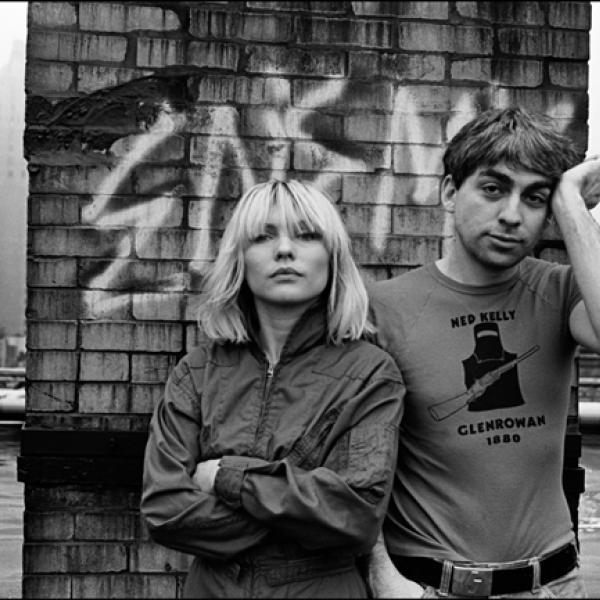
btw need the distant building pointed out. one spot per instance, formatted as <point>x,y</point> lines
<point>13,192</point>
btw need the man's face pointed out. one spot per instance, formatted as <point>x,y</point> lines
<point>500,213</point>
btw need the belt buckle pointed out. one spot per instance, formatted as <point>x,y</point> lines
<point>471,581</point>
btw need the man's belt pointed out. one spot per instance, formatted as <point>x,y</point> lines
<point>471,579</point>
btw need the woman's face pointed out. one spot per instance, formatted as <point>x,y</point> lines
<point>283,268</point>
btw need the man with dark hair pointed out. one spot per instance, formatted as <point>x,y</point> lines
<point>485,338</point>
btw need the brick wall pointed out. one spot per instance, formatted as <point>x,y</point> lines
<point>145,122</point>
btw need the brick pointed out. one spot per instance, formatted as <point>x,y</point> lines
<point>158,147</point>
<point>103,398</point>
<point>391,189</point>
<point>312,156</point>
<point>151,368</point>
<point>214,120</point>
<point>111,335</point>
<point>474,69</point>
<point>422,99</point>
<point>251,27</point>
<point>106,526</point>
<point>473,40</point>
<point>46,586</point>
<point>294,123</point>
<point>124,585</point>
<point>422,67</point>
<point>355,32</point>
<point>65,497</point>
<point>46,526</point>
<point>157,306</point>
<point>50,396</point>
<point>366,218</point>
<point>227,152</point>
<point>92,78</point>
<point>59,272</point>
<point>192,305</point>
<point>132,275</point>
<point>47,77</point>
<point>345,95</point>
<point>409,220</point>
<point>105,305</point>
<point>280,60</point>
<point>68,241</point>
<point>145,397</point>
<point>74,180</point>
<point>210,214</point>
<point>104,366</point>
<point>431,37</point>
<point>418,160</point>
<point>397,127</point>
<point>52,366</point>
<point>213,54</point>
<point>53,210</point>
<point>570,15</point>
<point>52,14</point>
<point>105,16</point>
<point>76,47</point>
<point>152,179</point>
<point>469,99</point>
<point>74,558</point>
<point>419,10</point>
<point>152,558</point>
<point>160,210</point>
<point>396,250</point>
<point>535,42</point>
<point>518,73</point>
<point>216,88</point>
<point>45,335</point>
<point>160,52</point>
<point>263,90</point>
<point>557,103</point>
<point>569,74</point>
<point>53,304</point>
<point>503,12</point>
<point>176,244</point>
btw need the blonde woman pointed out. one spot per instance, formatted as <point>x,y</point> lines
<point>271,455</point>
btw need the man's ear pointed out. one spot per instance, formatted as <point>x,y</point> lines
<point>448,191</point>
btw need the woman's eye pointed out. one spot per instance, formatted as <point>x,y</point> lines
<point>538,200</point>
<point>261,237</point>
<point>309,235</point>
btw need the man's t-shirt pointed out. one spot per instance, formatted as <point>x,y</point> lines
<point>488,372</point>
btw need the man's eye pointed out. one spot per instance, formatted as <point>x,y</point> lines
<point>537,199</point>
<point>491,189</point>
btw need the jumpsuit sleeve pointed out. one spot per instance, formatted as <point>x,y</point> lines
<point>178,514</point>
<point>341,502</point>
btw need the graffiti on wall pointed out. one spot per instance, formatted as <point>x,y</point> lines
<point>144,130</point>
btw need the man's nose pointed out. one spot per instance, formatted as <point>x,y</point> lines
<point>510,211</point>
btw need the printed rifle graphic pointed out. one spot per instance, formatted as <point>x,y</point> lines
<point>442,410</point>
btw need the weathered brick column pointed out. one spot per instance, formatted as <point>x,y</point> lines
<point>145,122</point>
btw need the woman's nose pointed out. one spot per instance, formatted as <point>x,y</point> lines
<point>284,247</point>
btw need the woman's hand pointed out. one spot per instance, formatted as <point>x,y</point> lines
<point>205,473</point>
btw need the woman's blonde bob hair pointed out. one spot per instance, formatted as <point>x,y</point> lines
<point>222,315</point>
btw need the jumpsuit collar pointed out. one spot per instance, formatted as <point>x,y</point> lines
<point>309,331</point>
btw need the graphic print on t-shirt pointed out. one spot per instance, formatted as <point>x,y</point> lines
<point>491,376</point>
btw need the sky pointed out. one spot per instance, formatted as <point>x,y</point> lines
<point>13,26</point>
<point>594,84</point>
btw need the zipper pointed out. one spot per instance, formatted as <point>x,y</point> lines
<point>269,375</point>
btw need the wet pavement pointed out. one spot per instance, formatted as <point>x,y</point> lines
<point>11,514</point>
